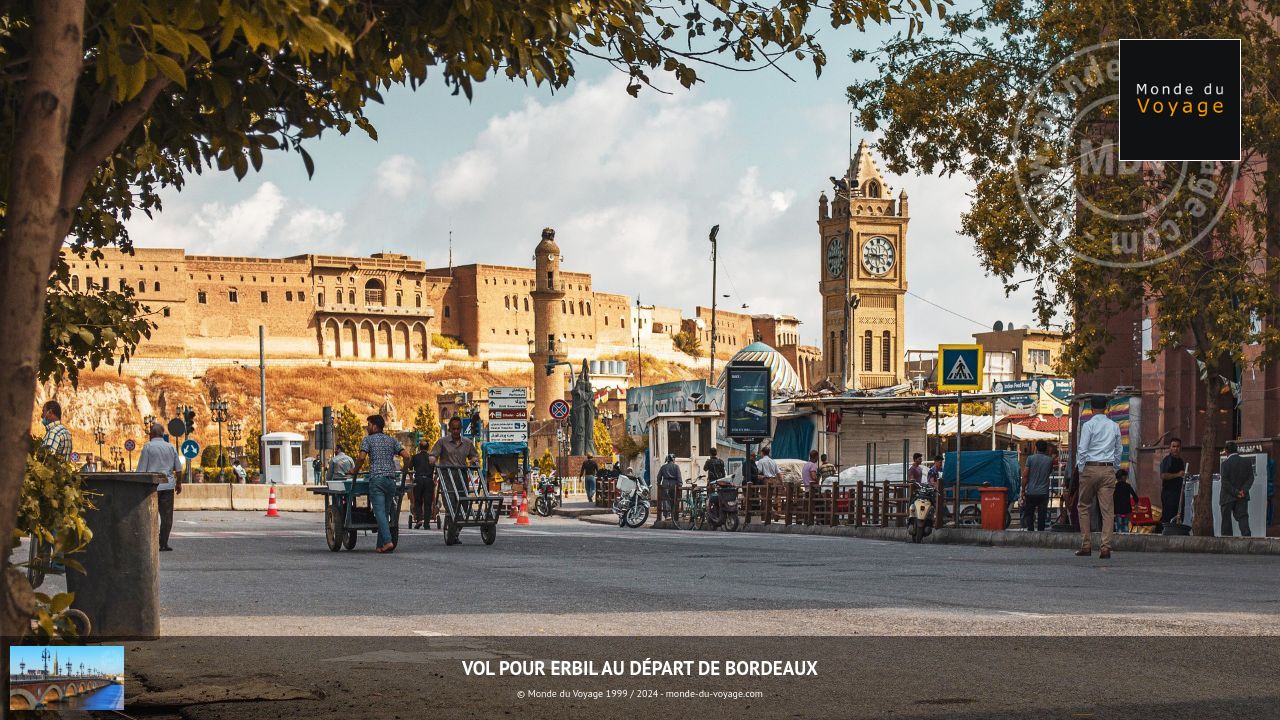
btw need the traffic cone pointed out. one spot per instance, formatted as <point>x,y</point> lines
<point>271,503</point>
<point>514,512</point>
<point>524,510</point>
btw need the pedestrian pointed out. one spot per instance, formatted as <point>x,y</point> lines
<point>915,473</point>
<point>238,469</point>
<point>381,451</point>
<point>423,510</point>
<point>713,467</point>
<point>1233,494</point>
<point>1097,458</point>
<point>825,469</point>
<point>158,456</point>
<point>768,467</point>
<point>1035,488</point>
<point>670,480</point>
<point>453,449</point>
<point>935,473</point>
<point>809,474</point>
<point>589,472</point>
<point>340,465</point>
<point>1125,500</point>
<point>750,471</point>
<point>1173,473</point>
<point>57,438</point>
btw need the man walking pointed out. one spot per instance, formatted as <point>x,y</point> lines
<point>1173,471</point>
<point>454,449</point>
<point>669,480</point>
<point>713,467</point>
<point>57,438</point>
<point>589,472</point>
<point>1233,495</point>
<point>158,456</point>
<point>1035,488</point>
<point>1097,460</point>
<point>424,487</point>
<point>381,451</point>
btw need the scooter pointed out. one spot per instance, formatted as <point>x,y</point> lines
<point>632,505</point>
<point>920,515</point>
<point>722,505</point>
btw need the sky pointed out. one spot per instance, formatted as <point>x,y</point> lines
<point>108,659</point>
<point>632,187</point>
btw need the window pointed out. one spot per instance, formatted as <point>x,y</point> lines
<point>273,456</point>
<point>551,343</point>
<point>526,304</point>
<point>295,455</point>
<point>233,296</point>
<point>550,275</point>
<point>417,300</point>
<point>106,283</point>
<point>75,283</point>
<point>301,296</point>
<point>588,309</point>
<point>263,295</point>
<point>678,438</point>
<point>155,286</point>
<point>288,295</point>
<point>704,436</point>
<point>506,302</point>
<point>580,308</point>
<point>202,298</point>
<point>398,296</point>
<point>866,352</point>
<point>320,298</point>
<point>142,286</point>
<point>571,309</point>
<point>373,294</point>
<point>886,353</point>
<point>446,311</point>
<point>1038,357</point>
<point>351,297</point>
<point>165,311</point>
<point>564,307</point>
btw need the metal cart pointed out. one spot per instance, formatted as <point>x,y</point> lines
<point>467,503</point>
<point>345,516</point>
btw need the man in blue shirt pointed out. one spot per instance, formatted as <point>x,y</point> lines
<point>1098,451</point>
<point>381,451</point>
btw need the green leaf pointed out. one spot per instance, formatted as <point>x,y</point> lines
<point>172,40</point>
<point>170,68</point>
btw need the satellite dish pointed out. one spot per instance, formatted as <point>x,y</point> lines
<point>998,326</point>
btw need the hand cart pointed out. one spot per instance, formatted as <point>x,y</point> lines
<point>467,503</point>
<point>345,516</point>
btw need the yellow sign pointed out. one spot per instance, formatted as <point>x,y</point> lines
<point>960,367</point>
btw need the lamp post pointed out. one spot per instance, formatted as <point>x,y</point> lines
<point>100,435</point>
<point>117,456</point>
<point>234,433</point>
<point>635,325</point>
<point>715,230</point>
<point>219,410</point>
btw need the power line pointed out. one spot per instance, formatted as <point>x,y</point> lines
<point>944,309</point>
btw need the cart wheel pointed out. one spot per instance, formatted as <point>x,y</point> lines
<point>488,533</point>
<point>395,533</point>
<point>333,527</point>
<point>450,535</point>
<point>349,542</point>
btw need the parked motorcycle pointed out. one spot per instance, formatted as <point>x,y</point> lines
<point>632,505</point>
<point>722,505</point>
<point>921,514</point>
<point>548,496</point>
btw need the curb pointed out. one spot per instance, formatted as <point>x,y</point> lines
<point>581,513</point>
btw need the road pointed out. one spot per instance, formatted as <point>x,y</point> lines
<point>237,574</point>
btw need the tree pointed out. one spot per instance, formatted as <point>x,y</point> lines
<point>946,104</point>
<point>546,463</point>
<point>348,431</point>
<point>604,443</point>
<point>253,449</point>
<point>112,100</point>
<point>424,421</point>
<point>687,342</point>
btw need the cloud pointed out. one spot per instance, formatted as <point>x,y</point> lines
<point>396,176</point>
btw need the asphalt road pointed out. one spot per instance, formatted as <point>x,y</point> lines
<point>240,574</point>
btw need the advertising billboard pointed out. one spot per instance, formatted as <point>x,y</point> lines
<point>748,407</point>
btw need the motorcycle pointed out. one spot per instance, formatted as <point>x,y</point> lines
<point>632,505</point>
<point>920,515</point>
<point>548,496</point>
<point>722,505</point>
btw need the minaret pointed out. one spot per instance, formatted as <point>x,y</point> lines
<point>548,340</point>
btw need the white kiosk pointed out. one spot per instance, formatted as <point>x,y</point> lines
<point>284,458</point>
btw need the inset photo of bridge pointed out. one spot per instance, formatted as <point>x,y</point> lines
<point>66,677</point>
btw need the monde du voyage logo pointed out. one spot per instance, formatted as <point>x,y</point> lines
<point>1179,100</point>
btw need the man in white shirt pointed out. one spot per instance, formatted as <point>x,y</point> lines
<point>1098,451</point>
<point>158,456</point>
<point>767,467</point>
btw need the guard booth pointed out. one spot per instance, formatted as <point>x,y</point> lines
<point>284,458</point>
<point>687,435</point>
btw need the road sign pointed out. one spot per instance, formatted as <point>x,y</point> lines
<point>960,367</point>
<point>130,445</point>
<point>502,414</point>
<point>75,457</point>
<point>560,435</point>
<point>508,403</point>
<point>511,437</point>
<point>509,393</point>
<point>559,409</point>
<point>190,449</point>
<point>509,425</point>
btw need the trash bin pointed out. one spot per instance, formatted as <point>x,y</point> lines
<point>120,587</point>
<point>993,501</point>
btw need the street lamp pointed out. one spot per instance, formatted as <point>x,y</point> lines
<point>117,455</point>
<point>100,435</point>
<point>219,410</point>
<point>147,422</point>
<point>234,433</point>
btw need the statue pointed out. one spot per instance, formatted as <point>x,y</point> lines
<point>582,416</point>
<point>388,410</point>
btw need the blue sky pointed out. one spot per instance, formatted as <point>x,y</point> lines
<point>108,659</point>
<point>631,186</point>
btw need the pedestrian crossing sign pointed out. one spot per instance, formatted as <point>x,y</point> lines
<point>960,367</point>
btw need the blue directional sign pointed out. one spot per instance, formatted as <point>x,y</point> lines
<point>960,367</point>
<point>191,449</point>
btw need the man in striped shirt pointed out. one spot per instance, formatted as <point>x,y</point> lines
<point>57,437</point>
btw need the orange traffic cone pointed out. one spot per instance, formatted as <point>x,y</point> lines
<point>514,512</point>
<point>271,503</point>
<point>524,510</point>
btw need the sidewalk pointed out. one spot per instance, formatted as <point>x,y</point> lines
<point>1121,542</point>
<point>578,507</point>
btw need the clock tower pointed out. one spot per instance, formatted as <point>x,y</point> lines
<point>863,233</point>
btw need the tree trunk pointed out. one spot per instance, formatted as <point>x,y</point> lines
<point>1202,524</point>
<point>30,243</point>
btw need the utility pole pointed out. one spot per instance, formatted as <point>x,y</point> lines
<point>262,402</point>
<point>635,325</point>
<point>715,230</point>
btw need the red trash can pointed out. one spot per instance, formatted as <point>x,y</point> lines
<point>993,505</point>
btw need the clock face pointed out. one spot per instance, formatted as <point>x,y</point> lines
<point>835,257</point>
<point>877,255</point>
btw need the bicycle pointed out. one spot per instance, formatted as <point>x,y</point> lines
<point>693,507</point>
<point>40,562</point>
